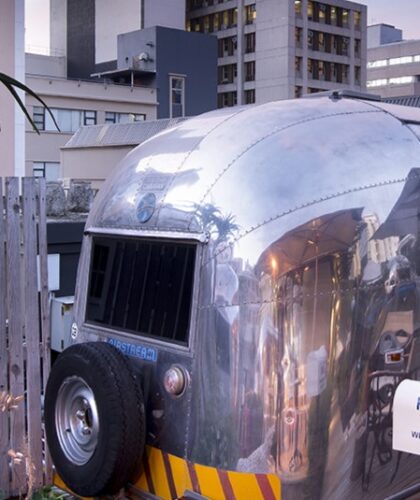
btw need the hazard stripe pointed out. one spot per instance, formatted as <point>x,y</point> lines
<point>194,478</point>
<point>169,475</point>
<point>265,487</point>
<point>227,487</point>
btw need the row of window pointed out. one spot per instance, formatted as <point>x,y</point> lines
<point>398,80</point>
<point>327,71</point>
<point>227,73</point>
<point>328,43</point>
<point>393,61</point>
<point>221,20</point>
<point>48,169</point>
<point>228,46</point>
<point>310,90</point>
<point>328,14</point>
<point>226,99</point>
<point>69,120</point>
<point>199,4</point>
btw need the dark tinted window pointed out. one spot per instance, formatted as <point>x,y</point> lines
<point>142,286</point>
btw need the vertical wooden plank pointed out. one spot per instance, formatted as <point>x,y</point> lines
<point>15,312</point>
<point>4,417</point>
<point>45,310</point>
<point>32,334</point>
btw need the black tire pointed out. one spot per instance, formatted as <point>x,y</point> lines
<point>92,391</point>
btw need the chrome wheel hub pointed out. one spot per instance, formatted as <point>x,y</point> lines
<point>76,419</point>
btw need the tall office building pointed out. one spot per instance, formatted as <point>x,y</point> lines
<point>278,49</point>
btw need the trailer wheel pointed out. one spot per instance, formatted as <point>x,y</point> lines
<point>94,419</point>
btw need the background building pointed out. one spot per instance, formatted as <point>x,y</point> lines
<point>278,49</point>
<point>393,63</point>
<point>12,63</point>
<point>108,66</point>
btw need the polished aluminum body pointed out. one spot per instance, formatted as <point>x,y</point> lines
<point>305,312</point>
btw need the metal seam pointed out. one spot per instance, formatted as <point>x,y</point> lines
<point>261,139</point>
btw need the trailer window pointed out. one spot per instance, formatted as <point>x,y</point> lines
<point>142,286</point>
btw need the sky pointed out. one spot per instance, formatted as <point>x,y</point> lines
<point>404,14</point>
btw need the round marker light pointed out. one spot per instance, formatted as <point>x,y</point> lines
<point>174,381</point>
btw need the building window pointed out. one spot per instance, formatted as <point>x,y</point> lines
<point>401,80</point>
<point>227,46</point>
<point>298,91</point>
<point>310,12</point>
<point>298,37</point>
<point>114,117</point>
<point>176,96</point>
<point>250,71</point>
<point>322,10</point>
<point>250,14</point>
<point>39,117</point>
<point>357,75</point>
<point>377,64</point>
<point>357,45</point>
<point>249,43</point>
<point>298,67</point>
<point>333,15</point>
<point>250,96</point>
<point>357,20</point>
<point>226,99</point>
<point>227,73</point>
<point>89,117</point>
<point>48,169</point>
<point>298,8</point>
<point>345,18</point>
<point>377,83</point>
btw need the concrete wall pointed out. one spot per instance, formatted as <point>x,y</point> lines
<point>37,64</point>
<point>169,13</point>
<point>380,34</point>
<point>91,164</point>
<point>193,55</point>
<point>58,27</point>
<point>111,19</point>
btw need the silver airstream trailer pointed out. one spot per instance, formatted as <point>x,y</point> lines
<point>246,307</point>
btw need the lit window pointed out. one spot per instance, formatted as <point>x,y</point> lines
<point>176,96</point>
<point>250,14</point>
<point>310,12</point>
<point>345,18</point>
<point>400,60</point>
<point>377,64</point>
<point>377,83</point>
<point>298,7</point>
<point>357,18</point>
<point>400,80</point>
<point>322,13</point>
<point>333,16</point>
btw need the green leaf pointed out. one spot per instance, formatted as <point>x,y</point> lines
<point>10,82</point>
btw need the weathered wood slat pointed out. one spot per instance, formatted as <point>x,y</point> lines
<point>15,313</point>
<point>45,309</point>
<point>32,333</point>
<point>4,417</point>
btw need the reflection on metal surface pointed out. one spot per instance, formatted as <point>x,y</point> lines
<point>307,309</point>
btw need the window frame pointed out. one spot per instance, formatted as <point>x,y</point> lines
<point>199,240</point>
<point>172,78</point>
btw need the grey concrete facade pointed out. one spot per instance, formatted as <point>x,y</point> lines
<point>278,49</point>
<point>393,67</point>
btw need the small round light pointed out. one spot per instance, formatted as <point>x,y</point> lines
<point>174,381</point>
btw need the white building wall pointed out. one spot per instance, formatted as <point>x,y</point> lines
<point>111,19</point>
<point>168,13</point>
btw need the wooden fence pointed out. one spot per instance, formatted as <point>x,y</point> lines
<point>24,335</point>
